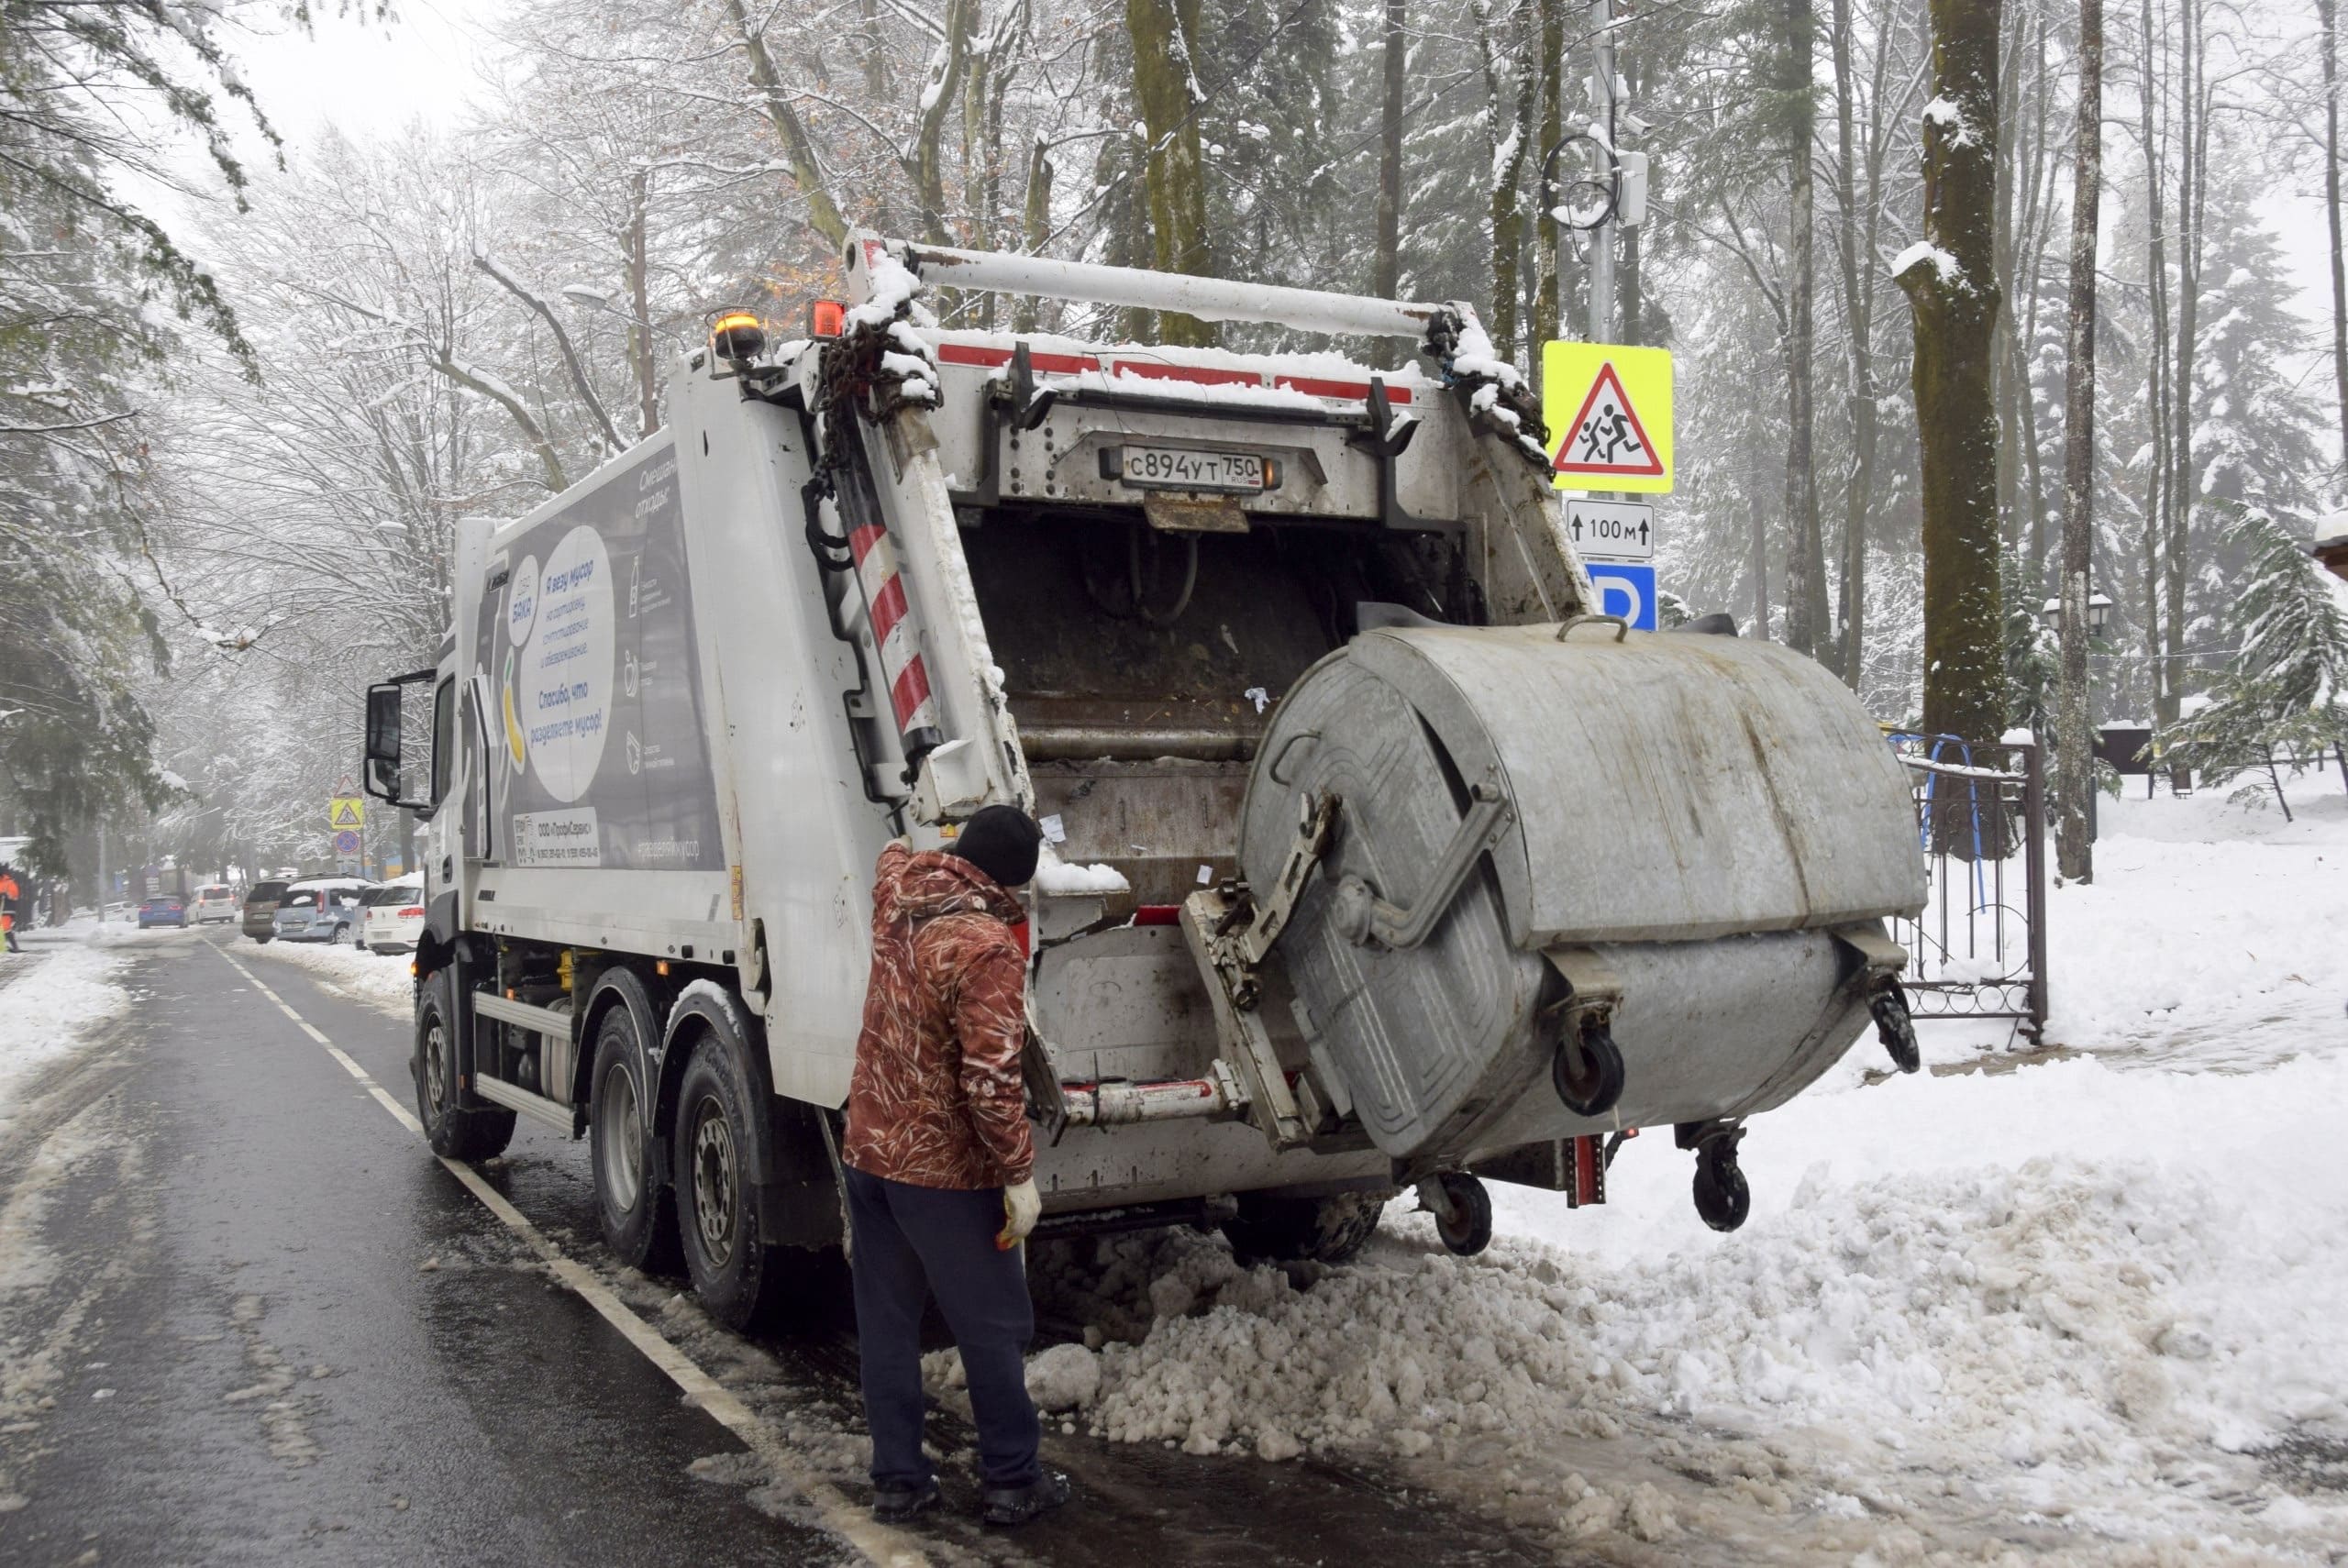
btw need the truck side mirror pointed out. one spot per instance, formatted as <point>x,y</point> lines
<point>383,730</point>
<point>384,775</point>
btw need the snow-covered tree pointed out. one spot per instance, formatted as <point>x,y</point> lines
<point>2283,700</point>
<point>91,294</point>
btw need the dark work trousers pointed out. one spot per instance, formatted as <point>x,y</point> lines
<point>910,1242</point>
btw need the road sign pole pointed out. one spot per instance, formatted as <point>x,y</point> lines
<point>1601,238</point>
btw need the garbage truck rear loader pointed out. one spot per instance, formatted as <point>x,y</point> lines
<point>1379,862</point>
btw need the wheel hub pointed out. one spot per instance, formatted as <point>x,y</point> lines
<point>715,1187</point>
<point>619,1138</point>
<point>436,1066</point>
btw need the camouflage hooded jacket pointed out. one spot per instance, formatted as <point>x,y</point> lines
<point>937,1099</point>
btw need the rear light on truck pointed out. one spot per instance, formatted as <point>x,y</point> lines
<point>826,318</point>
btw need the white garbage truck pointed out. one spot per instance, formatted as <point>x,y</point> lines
<point>1378,861</point>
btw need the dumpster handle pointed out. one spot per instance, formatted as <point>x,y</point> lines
<point>1288,746</point>
<point>1621,628</point>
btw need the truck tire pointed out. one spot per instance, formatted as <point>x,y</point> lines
<point>717,1146</point>
<point>452,1130</point>
<point>634,1201</point>
<point>1270,1227</point>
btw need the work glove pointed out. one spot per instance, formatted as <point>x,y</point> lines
<point>1022,1206</point>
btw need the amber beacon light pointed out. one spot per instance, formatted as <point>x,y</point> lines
<point>737,335</point>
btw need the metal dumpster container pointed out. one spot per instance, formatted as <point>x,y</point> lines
<point>1553,844</point>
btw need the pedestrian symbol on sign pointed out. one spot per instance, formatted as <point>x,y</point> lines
<point>1607,439</point>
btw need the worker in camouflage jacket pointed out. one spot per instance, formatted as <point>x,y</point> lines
<point>940,1164</point>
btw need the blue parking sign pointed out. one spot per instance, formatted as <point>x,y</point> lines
<point>1625,589</point>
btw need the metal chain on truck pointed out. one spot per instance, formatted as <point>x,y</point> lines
<point>1498,398</point>
<point>855,374</point>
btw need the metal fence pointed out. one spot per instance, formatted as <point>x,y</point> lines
<point>1979,948</point>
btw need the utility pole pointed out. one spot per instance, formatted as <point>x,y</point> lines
<point>2074,735</point>
<point>1601,238</point>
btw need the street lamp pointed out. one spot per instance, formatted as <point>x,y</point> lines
<point>2098,614</point>
<point>588,297</point>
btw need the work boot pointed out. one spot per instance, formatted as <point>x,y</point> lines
<point>900,1504</point>
<point>1017,1505</point>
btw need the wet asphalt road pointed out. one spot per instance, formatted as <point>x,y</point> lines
<point>245,1318</point>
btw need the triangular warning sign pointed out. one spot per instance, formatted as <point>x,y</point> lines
<point>1606,439</point>
<point>347,814</point>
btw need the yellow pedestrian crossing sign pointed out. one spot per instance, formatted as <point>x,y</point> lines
<point>1608,407</point>
<point>348,811</point>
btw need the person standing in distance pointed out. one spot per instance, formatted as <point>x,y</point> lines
<point>940,1185</point>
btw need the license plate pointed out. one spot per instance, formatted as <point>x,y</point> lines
<point>1180,467</point>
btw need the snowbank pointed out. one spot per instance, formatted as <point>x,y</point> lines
<point>377,979</point>
<point>64,991</point>
<point>2090,1303</point>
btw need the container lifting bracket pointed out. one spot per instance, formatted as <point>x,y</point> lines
<point>1317,823</point>
<point>1210,922</point>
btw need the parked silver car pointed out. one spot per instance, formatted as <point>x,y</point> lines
<point>322,910</point>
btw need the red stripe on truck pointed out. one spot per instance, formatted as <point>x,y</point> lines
<point>888,609</point>
<point>1198,375</point>
<point>1049,364</point>
<point>1358,391</point>
<point>909,691</point>
<point>1158,371</point>
<point>860,542</point>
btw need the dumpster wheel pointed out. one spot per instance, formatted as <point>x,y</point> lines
<point>1723,1199</point>
<point>1588,1071</point>
<point>1462,1211</point>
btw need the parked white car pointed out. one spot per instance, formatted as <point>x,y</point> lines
<point>215,902</point>
<point>392,916</point>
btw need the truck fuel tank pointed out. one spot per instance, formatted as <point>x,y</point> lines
<point>1554,842</point>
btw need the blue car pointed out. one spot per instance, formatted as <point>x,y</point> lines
<point>169,909</point>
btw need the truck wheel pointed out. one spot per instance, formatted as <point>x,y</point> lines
<point>633,1197</point>
<point>720,1111</point>
<point>451,1130</point>
<point>1269,1227</point>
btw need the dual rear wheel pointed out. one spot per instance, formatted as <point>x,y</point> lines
<point>694,1197</point>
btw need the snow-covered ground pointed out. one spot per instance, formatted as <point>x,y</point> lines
<point>2088,1305</point>
<point>62,989</point>
<point>377,979</point>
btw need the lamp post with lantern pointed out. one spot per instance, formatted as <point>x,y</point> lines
<point>2098,615</point>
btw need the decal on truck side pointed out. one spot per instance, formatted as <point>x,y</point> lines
<point>590,650</point>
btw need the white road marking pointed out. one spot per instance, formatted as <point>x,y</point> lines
<point>877,1542</point>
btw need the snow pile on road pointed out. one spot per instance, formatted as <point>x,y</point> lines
<point>377,979</point>
<point>65,993</point>
<point>2096,1298</point>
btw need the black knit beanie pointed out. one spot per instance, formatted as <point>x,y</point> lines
<point>1001,841</point>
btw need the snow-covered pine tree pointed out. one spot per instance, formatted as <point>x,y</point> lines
<point>2032,662</point>
<point>2282,698</point>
